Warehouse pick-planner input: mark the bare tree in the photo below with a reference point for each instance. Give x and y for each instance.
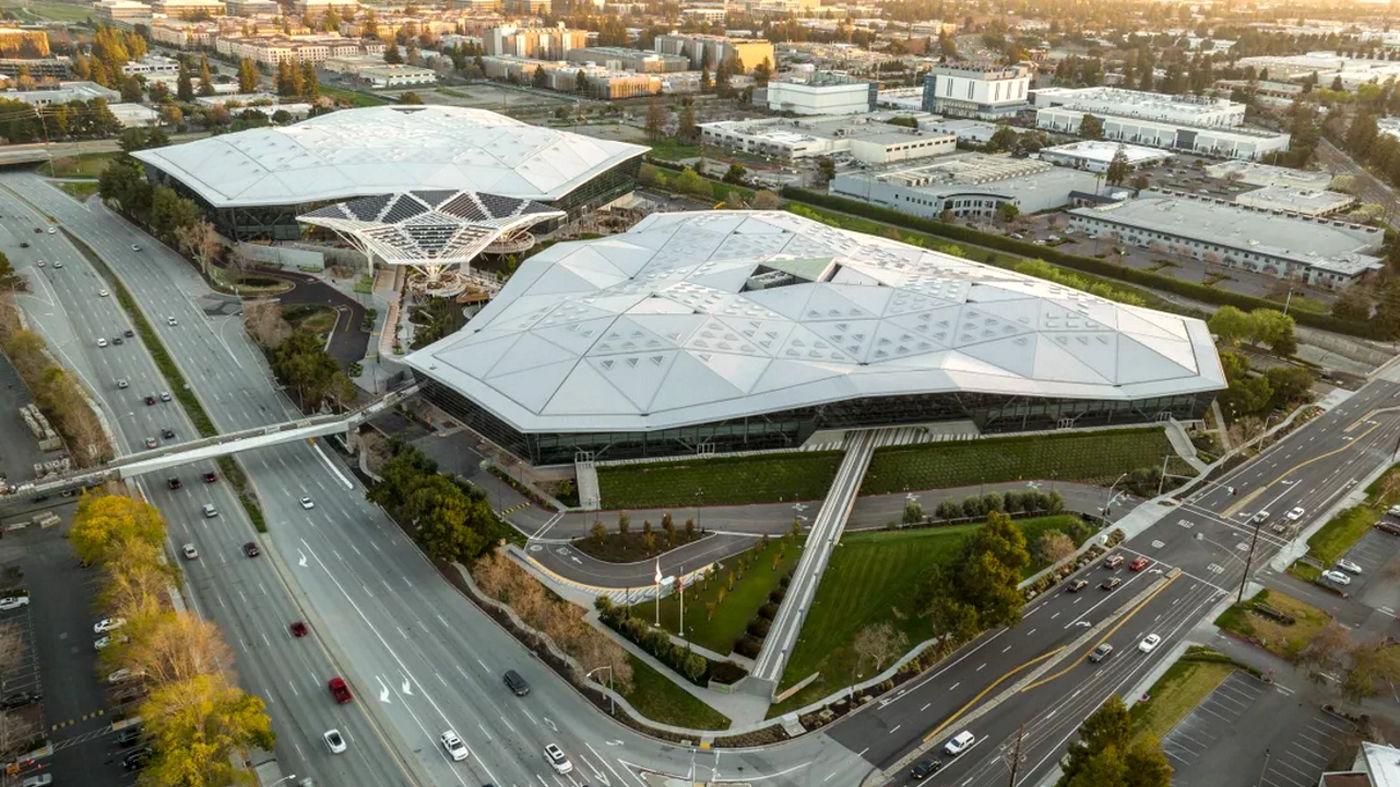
(879, 643)
(201, 241)
(263, 321)
(1327, 650)
(1054, 546)
(15, 733)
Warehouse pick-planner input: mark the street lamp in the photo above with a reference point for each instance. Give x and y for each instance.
(1108, 501)
(608, 667)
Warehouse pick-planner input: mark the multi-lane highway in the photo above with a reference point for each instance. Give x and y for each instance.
(423, 660)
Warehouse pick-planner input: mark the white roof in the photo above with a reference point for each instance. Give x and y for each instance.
(697, 317)
(376, 150)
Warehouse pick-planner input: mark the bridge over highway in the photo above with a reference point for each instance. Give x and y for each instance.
(214, 447)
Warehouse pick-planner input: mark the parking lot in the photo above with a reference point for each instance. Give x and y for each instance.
(1251, 732)
(1376, 553)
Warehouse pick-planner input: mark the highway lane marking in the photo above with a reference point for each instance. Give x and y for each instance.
(1008, 647)
(334, 470)
(484, 732)
(960, 711)
(955, 685)
(532, 719)
(980, 667)
(926, 704)
(894, 729)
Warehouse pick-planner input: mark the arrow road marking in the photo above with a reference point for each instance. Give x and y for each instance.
(301, 560)
(407, 688)
(383, 691)
(551, 724)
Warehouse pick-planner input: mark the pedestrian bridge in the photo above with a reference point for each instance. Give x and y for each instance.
(214, 447)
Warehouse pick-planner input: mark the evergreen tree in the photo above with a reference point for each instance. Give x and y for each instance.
(206, 79)
(184, 88)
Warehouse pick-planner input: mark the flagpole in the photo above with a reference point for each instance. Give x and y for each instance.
(658, 592)
(680, 578)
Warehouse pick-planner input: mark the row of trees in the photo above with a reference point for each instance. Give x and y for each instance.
(111, 49)
(159, 209)
(196, 718)
(452, 521)
(21, 122)
(57, 393)
(1263, 327)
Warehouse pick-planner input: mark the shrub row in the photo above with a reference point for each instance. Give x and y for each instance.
(1200, 292)
(1011, 502)
(688, 664)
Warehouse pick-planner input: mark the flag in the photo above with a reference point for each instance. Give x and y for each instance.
(658, 571)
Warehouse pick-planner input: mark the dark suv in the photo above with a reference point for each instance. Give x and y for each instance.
(516, 683)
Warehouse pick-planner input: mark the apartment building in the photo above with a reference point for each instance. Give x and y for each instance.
(710, 50)
(549, 43)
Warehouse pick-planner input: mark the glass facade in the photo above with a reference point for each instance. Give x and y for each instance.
(279, 222)
(790, 428)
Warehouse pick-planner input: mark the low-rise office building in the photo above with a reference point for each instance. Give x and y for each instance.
(1223, 141)
(968, 90)
(122, 12)
(64, 93)
(316, 48)
(152, 67)
(1160, 107)
(708, 51)
(1255, 174)
(1321, 252)
(969, 185)
(1291, 199)
(623, 59)
(56, 67)
(822, 93)
(862, 139)
(387, 75)
(1096, 155)
(253, 8)
(188, 9)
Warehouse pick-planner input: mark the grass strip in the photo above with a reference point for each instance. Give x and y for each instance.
(659, 699)
(1185, 684)
(719, 480)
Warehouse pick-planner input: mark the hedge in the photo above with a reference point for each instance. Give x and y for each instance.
(1091, 265)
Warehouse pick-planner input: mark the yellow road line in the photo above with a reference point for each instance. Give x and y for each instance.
(1106, 635)
(1231, 510)
(960, 711)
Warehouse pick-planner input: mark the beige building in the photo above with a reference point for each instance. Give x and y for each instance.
(188, 9)
(550, 43)
(116, 11)
(272, 50)
(709, 50)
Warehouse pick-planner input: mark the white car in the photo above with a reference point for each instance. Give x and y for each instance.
(334, 741)
(52, 230)
(190, 552)
(42, 263)
(1348, 566)
(959, 743)
(1262, 516)
(101, 342)
(557, 759)
(106, 625)
(307, 503)
(13, 602)
(171, 321)
(103, 293)
(125, 674)
(110, 639)
(456, 749)
(58, 263)
(1294, 514)
(134, 247)
(123, 384)
(1149, 643)
(1336, 577)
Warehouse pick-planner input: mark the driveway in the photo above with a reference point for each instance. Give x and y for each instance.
(349, 339)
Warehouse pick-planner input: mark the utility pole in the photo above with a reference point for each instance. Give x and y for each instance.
(1248, 559)
(1014, 758)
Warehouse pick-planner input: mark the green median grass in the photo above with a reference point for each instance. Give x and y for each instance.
(873, 577)
(1091, 457)
(719, 481)
(1332, 540)
(79, 191)
(83, 165)
(657, 698)
(354, 98)
(1185, 684)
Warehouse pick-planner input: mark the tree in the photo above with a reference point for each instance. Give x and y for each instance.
(1140, 182)
(762, 72)
(1326, 650)
(1355, 303)
(705, 84)
(992, 560)
(392, 54)
(1106, 753)
(1002, 139)
(826, 168)
(206, 79)
(9, 280)
(1053, 546)
(763, 199)
(201, 241)
(1289, 383)
(103, 521)
(736, 174)
(1118, 168)
(450, 525)
(1007, 212)
(410, 97)
(1230, 325)
(174, 647)
(131, 90)
(1375, 667)
(263, 321)
(657, 114)
(1091, 127)
(690, 182)
(878, 644)
(247, 76)
(913, 513)
(686, 127)
(196, 726)
(1275, 329)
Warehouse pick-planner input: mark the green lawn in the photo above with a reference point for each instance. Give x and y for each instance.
(873, 578)
(1185, 684)
(1333, 539)
(84, 165)
(661, 700)
(672, 149)
(1094, 457)
(79, 191)
(732, 615)
(354, 97)
(719, 481)
(313, 317)
(48, 9)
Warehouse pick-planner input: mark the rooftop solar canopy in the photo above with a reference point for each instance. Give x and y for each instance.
(690, 318)
(377, 150)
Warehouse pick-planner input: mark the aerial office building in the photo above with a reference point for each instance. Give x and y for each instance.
(722, 331)
(968, 90)
(253, 184)
(968, 185)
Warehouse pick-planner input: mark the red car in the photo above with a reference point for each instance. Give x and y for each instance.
(339, 690)
(298, 629)
(210, 478)
(1139, 563)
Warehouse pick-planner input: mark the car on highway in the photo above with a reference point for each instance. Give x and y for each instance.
(557, 759)
(165, 396)
(924, 769)
(1294, 514)
(209, 511)
(102, 342)
(13, 602)
(1149, 643)
(456, 749)
(334, 741)
(210, 477)
(251, 549)
(42, 264)
(516, 684)
(1260, 517)
(151, 442)
(37, 780)
(137, 760)
(339, 690)
(19, 699)
(171, 321)
(167, 433)
(1103, 651)
(1336, 577)
(122, 383)
(1139, 563)
(1113, 561)
(106, 625)
(959, 743)
(173, 483)
(1110, 583)
(24, 244)
(135, 247)
(52, 230)
(189, 551)
(307, 503)
(1348, 566)
(103, 293)
(1077, 585)
(150, 400)
(128, 333)
(298, 628)
(117, 340)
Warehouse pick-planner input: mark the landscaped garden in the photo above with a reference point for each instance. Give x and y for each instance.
(719, 481)
(1275, 621)
(628, 544)
(1091, 457)
(656, 697)
(875, 577)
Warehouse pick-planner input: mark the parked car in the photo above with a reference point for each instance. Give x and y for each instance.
(959, 743)
(334, 741)
(1077, 585)
(1103, 651)
(516, 683)
(109, 640)
(456, 749)
(129, 736)
(13, 602)
(1149, 643)
(106, 625)
(1139, 563)
(137, 760)
(123, 675)
(339, 689)
(557, 759)
(19, 699)
(1348, 566)
(1336, 577)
